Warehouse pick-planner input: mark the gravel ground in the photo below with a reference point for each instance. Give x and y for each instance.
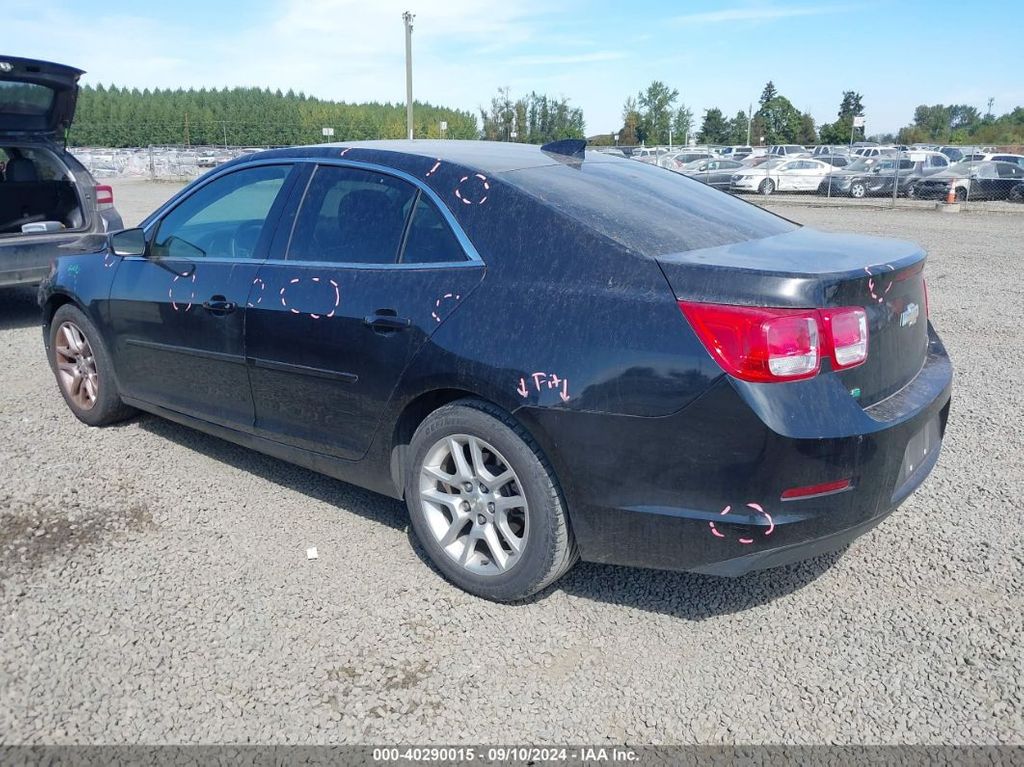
(154, 585)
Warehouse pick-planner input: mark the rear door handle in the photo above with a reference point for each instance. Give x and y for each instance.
(219, 305)
(386, 323)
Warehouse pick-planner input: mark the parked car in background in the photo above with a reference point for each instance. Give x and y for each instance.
(972, 180)
(799, 174)
(677, 160)
(723, 393)
(1017, 159)
(737, 152)
(868, 176)
(874, 151)
(647, 154)
(716, 172)
(788, 150)
(829, 150)
(48, 199)
(835, 160)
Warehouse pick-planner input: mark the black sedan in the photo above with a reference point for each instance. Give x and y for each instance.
(549, 354)
(716, 173)
(973, 181)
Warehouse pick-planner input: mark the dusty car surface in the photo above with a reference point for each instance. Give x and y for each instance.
(549, 354)
(47, 198)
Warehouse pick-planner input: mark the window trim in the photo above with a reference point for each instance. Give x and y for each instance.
(472, 257)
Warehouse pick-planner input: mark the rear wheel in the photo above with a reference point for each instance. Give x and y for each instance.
(961, 194)
(485, 504)
(767, 187)
(84, 372)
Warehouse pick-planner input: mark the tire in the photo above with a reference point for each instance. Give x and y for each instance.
(461, 546)
(911, 192)
(767, 187)
(77, 353)
(961, 194)
(1017, 193)
(858, 189)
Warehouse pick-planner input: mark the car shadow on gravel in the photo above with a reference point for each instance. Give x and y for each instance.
(690, 596)
(348, 498)
(18, 308)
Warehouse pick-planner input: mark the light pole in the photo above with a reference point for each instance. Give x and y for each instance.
(407, 18)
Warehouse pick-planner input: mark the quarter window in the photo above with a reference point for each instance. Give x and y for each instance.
(223, 219)
(430, 239)
(351, 216)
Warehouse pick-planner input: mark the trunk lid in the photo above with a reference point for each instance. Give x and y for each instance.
(811, 269)
(37, 97)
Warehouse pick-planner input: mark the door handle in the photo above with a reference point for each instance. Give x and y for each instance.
(219, 305)
(386, 323)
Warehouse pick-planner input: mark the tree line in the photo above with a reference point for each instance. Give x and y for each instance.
(123, 117)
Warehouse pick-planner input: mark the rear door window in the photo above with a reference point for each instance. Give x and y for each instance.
(351, 216)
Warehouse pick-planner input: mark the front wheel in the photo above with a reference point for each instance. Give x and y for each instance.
(767, 187)
(84, 371)
(485, 503)
(911, 192)
(858, 189)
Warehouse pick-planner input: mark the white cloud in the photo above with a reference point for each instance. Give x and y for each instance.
(756, 13)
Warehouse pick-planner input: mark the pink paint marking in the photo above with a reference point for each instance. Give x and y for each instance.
(522, 388)
(259, 299)
(345, 151)
(714, 531)
(554, 381)
(191, 297)
(564, 394)
(484, 183)
(437, 304)
(746, 540)
(433, 169)
(537, 378)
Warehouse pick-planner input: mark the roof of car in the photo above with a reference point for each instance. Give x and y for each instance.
(490, 157)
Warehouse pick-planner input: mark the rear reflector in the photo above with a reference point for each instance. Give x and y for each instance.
(767, 344)
(104, 197)
(816, 491)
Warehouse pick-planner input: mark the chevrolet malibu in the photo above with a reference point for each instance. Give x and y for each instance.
(549, 354)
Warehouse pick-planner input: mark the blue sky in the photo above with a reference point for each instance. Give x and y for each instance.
(717, 54)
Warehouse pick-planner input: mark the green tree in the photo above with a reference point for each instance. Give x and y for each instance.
(682, 124)
(715, 128)
(807, 135)
(779, 120)
(656, 111)
(631, 128)
(738, 128)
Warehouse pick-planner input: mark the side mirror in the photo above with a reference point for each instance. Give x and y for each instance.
(128, 242)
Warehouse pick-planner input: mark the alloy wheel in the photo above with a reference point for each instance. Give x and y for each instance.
(857, 190)
(76, 366)
(473, 504)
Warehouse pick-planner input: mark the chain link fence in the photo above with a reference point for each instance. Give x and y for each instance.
(908, 177)
(157, 163)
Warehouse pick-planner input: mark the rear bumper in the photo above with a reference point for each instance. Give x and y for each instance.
(700, 490)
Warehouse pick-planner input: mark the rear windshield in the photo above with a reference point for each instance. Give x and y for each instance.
(650, 210)
(25, 98)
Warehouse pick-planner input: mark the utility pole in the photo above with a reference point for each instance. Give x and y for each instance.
(407, 18)
(750, 120)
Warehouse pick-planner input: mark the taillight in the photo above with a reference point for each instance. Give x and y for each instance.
(104, 197)
(755, 344)
(768, 344)
(848, 330)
